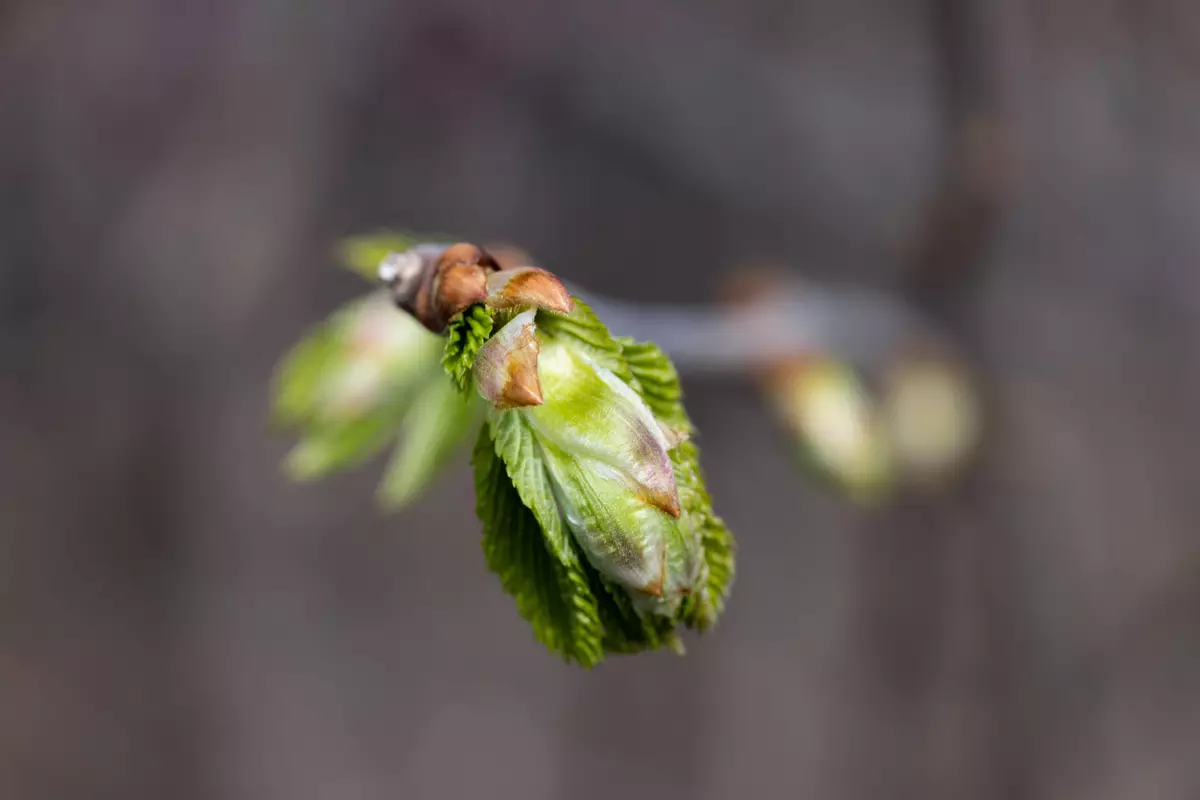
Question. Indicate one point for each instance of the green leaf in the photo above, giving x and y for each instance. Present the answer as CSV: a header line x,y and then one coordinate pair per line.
x,y
466,333
624,630
436,424
300,375
585,330
364,336
555,598
338,446
655,379
316,383
522,456
719,547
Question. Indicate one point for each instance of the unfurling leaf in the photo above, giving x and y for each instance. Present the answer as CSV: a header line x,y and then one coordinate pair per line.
x,y
655,379
338,446
464,337
592,413
506,369
438,422
517,447
588,485
552,591
365,377
509,467
606,468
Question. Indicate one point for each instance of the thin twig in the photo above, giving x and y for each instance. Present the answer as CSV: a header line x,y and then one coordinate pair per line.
x,y
861,326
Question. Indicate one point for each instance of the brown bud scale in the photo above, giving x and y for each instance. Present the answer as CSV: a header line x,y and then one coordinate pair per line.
x,y
450,282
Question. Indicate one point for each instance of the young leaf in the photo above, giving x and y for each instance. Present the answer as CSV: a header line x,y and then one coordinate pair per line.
x,y
601,607
298,380
365,375
657,381
522,457
337,446
718,543
351,363
465,335
555,598
626,631
584,330
654,377
434,427
506,369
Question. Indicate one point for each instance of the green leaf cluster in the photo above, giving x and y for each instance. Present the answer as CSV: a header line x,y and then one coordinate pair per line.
x,y
348,401
347,404
551,590
574,611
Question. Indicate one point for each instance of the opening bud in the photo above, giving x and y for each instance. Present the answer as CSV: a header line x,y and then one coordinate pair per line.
x,y
528,286
506,368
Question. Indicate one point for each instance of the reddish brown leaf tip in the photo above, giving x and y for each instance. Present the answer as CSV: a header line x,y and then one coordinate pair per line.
x,y
655,587
528,286
667,501
506,369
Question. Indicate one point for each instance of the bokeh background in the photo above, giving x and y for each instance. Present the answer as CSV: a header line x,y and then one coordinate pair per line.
x,y
178,621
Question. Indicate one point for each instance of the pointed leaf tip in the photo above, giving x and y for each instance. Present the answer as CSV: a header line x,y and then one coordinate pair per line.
x,y
664,499
506,369
528,286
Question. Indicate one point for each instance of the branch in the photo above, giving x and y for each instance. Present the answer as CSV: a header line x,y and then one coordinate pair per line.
x,y
791,317
858,325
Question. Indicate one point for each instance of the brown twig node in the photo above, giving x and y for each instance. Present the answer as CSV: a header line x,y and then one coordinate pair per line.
x,y
433,283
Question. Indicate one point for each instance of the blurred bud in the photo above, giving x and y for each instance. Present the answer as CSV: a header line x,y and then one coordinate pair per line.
x,y
827,406
932,417
375,331
506,368
353,390
373,352
369,377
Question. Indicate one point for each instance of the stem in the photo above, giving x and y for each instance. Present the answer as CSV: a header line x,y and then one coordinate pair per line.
x,y
857,325
862,326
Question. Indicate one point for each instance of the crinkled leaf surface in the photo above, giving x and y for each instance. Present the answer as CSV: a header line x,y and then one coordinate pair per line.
x,y
466,333
556,598
654,377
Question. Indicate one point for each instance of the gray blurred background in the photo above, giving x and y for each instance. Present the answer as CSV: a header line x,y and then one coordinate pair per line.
x,y
176,621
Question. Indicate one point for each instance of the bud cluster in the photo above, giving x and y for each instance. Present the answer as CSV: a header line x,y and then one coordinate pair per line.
x,y
595,448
